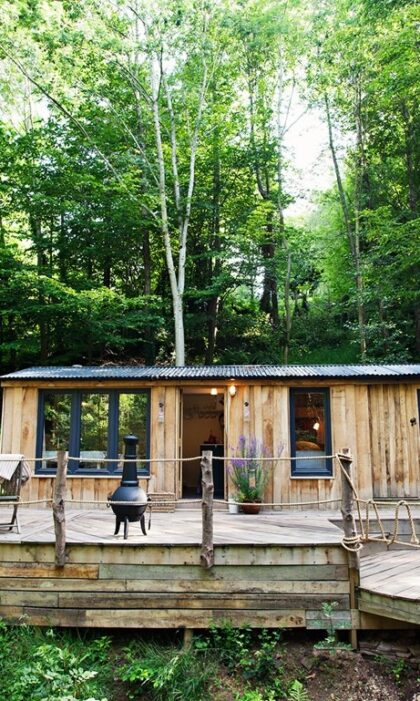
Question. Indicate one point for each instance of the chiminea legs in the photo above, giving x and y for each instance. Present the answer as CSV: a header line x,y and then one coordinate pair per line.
x,y
125,521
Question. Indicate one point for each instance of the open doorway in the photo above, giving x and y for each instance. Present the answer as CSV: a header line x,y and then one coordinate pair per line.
x,y
202,429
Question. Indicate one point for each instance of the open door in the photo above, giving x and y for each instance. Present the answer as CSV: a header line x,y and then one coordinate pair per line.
x,y
202,429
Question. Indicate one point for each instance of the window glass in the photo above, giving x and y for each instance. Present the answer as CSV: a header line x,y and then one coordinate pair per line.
x,y
94,416
310,433
91,425
133,410
56,426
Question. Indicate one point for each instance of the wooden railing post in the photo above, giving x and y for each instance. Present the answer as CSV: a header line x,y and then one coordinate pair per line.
x,y
349,526
59,511
207,549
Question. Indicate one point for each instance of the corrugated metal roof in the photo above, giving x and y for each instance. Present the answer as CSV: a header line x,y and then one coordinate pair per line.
x,y
214,372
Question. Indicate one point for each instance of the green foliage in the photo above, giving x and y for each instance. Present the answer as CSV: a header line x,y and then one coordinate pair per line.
x,y
297,692
45,666
397,668
166,673
83,272
255,695
331,641
253,655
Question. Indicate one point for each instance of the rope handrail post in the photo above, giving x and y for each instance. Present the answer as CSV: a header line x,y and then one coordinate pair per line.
x,y
207,546
59,510
350,534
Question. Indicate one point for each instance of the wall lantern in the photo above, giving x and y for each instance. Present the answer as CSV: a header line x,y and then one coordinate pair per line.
x,y
246,411
161,412
213,391
232,390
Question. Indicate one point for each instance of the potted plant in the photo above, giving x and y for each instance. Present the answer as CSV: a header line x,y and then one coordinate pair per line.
x,y
249,475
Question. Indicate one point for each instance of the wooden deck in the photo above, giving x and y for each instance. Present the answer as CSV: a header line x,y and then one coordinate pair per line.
x,y
181,527
271,570
390,585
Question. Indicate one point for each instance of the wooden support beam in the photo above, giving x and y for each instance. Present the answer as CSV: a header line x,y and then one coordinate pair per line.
x,y
187,638
59,511
207,548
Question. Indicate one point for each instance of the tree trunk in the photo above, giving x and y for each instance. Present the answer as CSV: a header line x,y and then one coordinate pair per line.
x,y
2,232
358,206
177,298
37,237
147,264
287,311
106,276
411,150
340,188
417,327
215,243
269,296
62,258
353,234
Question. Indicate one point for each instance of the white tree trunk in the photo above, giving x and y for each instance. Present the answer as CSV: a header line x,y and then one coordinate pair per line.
x,y
177,302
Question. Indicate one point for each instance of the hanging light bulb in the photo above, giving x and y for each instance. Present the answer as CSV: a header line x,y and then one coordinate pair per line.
x,y
316,424
213,391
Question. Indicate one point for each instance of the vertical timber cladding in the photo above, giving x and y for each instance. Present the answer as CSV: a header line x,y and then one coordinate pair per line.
x,y
164,438
395,456
263,412
12,419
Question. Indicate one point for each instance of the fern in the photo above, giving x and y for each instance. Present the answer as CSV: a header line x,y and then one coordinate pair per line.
x,y
297,692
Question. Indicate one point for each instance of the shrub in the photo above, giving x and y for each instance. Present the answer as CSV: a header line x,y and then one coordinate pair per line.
x,y
41,666
252,654
166,673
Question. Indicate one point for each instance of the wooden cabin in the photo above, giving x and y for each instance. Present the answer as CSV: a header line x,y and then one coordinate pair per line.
x,y
293,411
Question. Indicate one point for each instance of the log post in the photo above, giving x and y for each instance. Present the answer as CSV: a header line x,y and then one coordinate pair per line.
x,y
58,507
349,526
207,549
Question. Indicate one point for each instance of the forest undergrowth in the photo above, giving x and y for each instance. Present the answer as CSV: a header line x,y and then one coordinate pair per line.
x,y
223,664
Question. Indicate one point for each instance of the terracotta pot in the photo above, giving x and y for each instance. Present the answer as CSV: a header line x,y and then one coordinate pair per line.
x,y
251,508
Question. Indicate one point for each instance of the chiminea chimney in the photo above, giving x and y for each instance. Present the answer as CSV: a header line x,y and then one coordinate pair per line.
x,y
129,491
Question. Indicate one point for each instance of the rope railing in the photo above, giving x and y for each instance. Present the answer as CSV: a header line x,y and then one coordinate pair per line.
x,y
363,532
225,458
364,535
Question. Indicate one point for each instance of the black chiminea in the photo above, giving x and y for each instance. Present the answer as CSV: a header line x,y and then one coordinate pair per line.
x,y
129,491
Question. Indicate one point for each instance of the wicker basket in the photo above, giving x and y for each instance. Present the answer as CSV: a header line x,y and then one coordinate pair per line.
x,y
162,501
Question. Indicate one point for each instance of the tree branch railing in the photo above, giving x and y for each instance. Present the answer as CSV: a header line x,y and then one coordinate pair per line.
x,y
355,535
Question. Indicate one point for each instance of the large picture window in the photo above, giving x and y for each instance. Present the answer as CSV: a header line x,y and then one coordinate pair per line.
x,y
90,426
310,432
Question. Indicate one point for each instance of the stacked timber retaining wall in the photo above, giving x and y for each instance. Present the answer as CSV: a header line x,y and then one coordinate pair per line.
x,y
162,586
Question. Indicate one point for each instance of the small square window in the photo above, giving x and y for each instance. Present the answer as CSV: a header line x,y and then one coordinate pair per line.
x,y
310,428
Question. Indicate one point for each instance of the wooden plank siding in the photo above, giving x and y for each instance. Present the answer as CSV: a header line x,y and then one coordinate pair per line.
x,y
373,420
394,464
163,586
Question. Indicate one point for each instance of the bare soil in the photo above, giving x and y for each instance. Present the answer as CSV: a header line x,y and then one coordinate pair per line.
x,y
342,676
352,676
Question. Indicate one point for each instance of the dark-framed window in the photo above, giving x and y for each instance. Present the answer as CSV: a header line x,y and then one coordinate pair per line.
x,y
90,424
310,432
